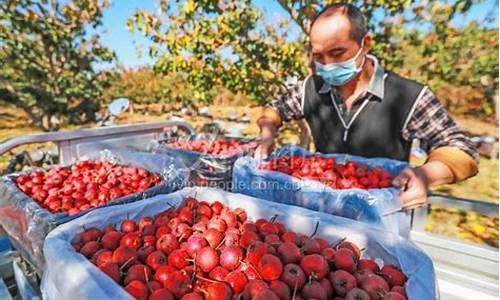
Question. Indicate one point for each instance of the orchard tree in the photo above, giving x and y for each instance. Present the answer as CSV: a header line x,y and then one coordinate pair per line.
x,y
222,43
447,57
48,58
229,43
144,86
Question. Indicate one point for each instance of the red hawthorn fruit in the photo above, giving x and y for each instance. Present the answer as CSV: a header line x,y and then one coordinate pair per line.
x,y
156,259
327,286
90,248
112,270
270,267
230,257
178,259
289,253
194,244
253,288
192,296
161,294
293,276
344,259
154,285
351,246
342,282
393,275
315,265
368,264
357,294
138,272
237,280
218,291
329,255
128,226
375,286
207,259
247,238
162,272
311,247
281,289
137,289
124,256
177,283
255,252
111,240
394,296
218,273
362,274
290,236
167,243
90,234
102,256
314,290
213,237
266,294
131,240
399,289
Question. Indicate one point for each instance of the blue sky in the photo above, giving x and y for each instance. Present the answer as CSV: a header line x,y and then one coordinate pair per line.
x,y
115,35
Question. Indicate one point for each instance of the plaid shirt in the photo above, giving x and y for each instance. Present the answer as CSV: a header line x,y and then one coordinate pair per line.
x,y
429,121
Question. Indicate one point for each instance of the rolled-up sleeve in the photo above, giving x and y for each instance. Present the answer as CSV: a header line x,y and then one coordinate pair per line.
x,y
441,137
289,105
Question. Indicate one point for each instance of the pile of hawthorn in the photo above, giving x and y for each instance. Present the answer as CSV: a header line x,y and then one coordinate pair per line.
x,y
84,185
207,251
219,147
328,171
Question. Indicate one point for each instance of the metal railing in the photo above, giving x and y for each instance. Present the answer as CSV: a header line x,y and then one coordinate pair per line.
x,y
74,143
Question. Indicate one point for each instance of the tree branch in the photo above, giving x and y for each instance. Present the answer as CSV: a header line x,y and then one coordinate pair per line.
x,y
294,15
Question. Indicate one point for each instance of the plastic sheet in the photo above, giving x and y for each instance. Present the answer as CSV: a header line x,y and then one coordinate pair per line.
x,y
207,169
380,207
27,224
69,275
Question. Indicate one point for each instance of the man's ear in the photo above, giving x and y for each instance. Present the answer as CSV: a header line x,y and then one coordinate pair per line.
x,y
367,43
311,69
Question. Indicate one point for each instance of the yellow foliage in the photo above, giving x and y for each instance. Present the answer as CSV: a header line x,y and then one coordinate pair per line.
x,y
189,7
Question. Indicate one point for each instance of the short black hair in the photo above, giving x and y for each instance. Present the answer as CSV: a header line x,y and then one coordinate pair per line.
x,y
353,13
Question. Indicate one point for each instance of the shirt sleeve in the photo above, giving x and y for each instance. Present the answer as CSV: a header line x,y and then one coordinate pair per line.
x,y
289,105
433,126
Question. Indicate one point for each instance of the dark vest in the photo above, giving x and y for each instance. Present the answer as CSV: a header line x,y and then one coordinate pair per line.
x,y
375,131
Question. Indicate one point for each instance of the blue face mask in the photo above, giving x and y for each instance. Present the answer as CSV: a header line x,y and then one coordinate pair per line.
x,y
339,73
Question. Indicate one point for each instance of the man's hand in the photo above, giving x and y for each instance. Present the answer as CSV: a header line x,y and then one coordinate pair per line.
x,y
267,134
264,149
415,182
414,185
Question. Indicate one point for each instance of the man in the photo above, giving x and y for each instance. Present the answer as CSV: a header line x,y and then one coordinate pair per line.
x,y
354,106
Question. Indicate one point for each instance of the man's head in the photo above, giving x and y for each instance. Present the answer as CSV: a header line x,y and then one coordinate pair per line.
x,y
337,33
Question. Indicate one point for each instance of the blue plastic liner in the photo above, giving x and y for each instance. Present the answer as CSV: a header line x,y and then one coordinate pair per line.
x,y
380,207
4,244
69,275
27,224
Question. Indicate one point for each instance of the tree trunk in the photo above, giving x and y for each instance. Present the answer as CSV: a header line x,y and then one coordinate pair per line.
x,y
45,123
